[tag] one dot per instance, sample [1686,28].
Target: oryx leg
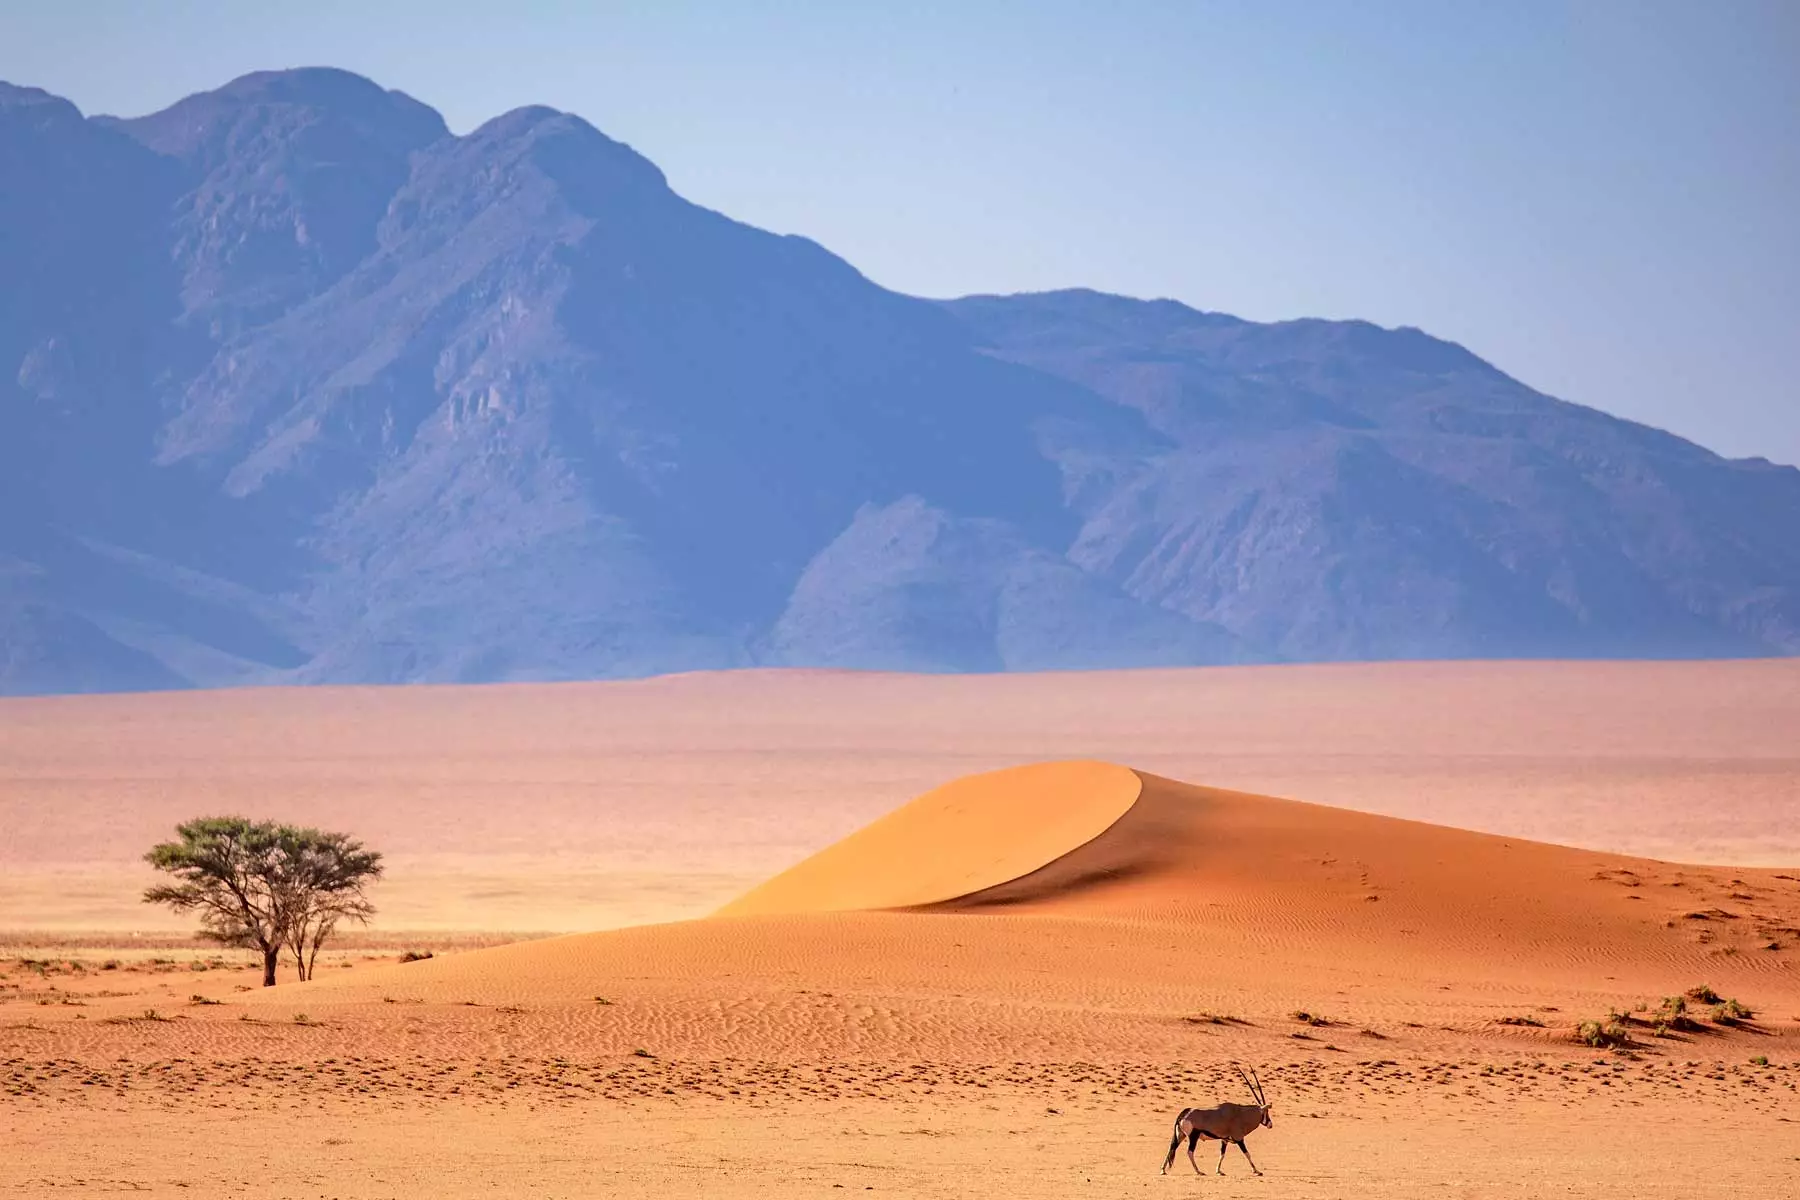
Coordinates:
[1193,1140]
[1223,1146]
[1247,1158]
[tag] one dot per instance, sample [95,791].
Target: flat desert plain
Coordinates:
[932,936]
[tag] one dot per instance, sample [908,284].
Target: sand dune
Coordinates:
[1172,852]
[1080,903]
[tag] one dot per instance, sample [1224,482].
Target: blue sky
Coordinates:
[1600,197]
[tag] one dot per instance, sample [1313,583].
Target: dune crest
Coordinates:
[966,838]
[1091,840]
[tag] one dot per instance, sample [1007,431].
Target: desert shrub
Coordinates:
[1306,1018]
[1603,1035]
[1730,1012]
[1671,1014]
[640,1052]
[1703,995]
[1760,1060]
[415,956]
[197,998]
[1532,1021]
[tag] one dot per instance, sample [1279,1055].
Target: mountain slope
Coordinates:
[1344,491]
[297,386]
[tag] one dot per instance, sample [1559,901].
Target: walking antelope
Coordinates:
[1227,1124]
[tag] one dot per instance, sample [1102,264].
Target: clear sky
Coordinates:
[1602,197]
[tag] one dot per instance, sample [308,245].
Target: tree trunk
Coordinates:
[271,959]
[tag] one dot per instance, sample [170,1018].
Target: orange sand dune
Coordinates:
[1085,904]
[1175,852]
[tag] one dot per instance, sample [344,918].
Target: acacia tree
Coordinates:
[265,886]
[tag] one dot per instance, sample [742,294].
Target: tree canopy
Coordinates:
[265,886]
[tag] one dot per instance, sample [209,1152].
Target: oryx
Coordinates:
[1227,1124]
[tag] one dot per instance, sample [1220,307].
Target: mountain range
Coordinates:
[297,386]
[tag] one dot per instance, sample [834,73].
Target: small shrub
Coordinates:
[1531,1021]
[197,998]
[1730,1012]
[302,1019]
[1671,1014]
[1703,995]
[111,964]
[1603,1035]
[1760,1060]
[640,1052]
[1306,1018]
[415,956]
[601,1000]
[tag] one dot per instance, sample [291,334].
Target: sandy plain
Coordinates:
[1084,948]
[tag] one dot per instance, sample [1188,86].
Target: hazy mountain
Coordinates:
[296,386]
[1344,491]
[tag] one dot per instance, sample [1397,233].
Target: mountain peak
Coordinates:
[197,126]
[15,98]
[575,143]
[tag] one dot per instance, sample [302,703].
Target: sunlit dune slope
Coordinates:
[971,835]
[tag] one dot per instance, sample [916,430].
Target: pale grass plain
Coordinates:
[1032,1040]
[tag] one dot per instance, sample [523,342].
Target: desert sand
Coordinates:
[571,807]
[1008,984]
